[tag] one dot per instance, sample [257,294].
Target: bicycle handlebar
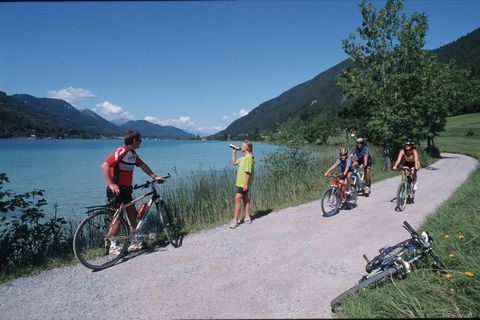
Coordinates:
[409,228]
[150,182]
[337,175]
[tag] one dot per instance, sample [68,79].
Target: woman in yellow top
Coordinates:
[410,159]
[244,181]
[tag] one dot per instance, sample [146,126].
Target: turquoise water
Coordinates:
[69,170]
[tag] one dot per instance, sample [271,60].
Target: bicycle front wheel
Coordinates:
[168,224]
[402,195]
[93,246]
[330,202]
[363,284]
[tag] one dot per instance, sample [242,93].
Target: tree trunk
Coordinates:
[386,154]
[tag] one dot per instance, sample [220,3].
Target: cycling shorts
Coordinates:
[125,195]
[369,162]
[409,164]
[241,191]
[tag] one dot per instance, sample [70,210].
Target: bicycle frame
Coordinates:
[407,179]
[122,210]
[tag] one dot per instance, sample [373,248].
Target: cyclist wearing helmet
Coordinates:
[346,170]
[363,158]
[408,155]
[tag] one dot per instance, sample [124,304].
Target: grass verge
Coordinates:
[456,228]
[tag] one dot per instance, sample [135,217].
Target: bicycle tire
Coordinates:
[401,197]
[331,200]
[352,198]
[168,223]
[439,264]
[363,284]
[91,244]
[359,187]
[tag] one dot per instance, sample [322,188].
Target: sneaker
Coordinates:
[234,224]
[415,187]
[247,221]
[135,246]
[114,249]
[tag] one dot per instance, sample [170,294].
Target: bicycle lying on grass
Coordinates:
[394,262]
[331,200]
[93,237]
[405,190]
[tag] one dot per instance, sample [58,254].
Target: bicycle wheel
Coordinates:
[352,197]
[363,284]
[439,264]
[330,202]
[91,244]
[402,196]
[359,185]
[168,223]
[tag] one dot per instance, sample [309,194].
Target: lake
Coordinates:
[69,170]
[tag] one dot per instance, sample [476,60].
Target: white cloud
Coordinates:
[71,95]
[209,130]
[242,112]
[111,109]
[185,123]
[182,121]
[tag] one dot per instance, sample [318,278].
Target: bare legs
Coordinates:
[238,205]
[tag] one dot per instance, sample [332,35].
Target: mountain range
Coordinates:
[23,115]
[312,96]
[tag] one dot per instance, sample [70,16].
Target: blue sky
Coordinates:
[195,65]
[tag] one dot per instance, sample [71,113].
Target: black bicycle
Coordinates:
[104,236]
[394,262]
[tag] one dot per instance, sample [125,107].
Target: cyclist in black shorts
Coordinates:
[363,158]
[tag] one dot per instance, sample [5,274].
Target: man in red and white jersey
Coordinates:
[118,172]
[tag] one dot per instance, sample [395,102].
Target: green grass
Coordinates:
[290,177]
[455,226]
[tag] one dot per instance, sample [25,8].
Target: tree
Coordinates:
[387,75]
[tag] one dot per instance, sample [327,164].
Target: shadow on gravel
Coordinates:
[431,168]
[345,207]
[148,249]
[449,157]
[261,213]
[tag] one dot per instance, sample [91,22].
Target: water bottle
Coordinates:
[234,147]
[141,211]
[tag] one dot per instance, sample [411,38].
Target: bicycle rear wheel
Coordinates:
[168,222]
[363,284]
[402,196]
[91,244]
[330,202]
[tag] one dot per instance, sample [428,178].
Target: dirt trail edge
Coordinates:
[287,264]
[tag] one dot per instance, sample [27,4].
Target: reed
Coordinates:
[292,175]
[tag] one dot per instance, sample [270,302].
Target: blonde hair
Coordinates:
[249,145]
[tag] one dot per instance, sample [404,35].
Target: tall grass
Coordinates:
[455,226]
[290,176]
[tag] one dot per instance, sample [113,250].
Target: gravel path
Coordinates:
[287,264]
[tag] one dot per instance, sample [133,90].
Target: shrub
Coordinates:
[27,237]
